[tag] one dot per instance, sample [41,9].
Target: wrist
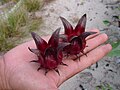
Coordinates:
[3,83]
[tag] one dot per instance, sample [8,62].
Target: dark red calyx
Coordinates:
[79,29]
[76,37]
[49,54]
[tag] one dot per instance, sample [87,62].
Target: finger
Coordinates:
[75,67]
[94,56]
[96,41]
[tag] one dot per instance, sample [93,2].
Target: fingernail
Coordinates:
[109,47]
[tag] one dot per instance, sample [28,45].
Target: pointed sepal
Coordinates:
[67,26]
[35,51]
[54,40]
[61,46]
[80,28]
[40,43]
[86,34]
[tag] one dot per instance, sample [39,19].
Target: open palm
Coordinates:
[21,74]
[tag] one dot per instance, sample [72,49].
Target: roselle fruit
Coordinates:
[49,54]
[76,37]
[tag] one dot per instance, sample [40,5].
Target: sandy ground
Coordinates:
[108,71]
[72,10]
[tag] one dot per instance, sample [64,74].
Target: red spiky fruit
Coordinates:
[76,37]
[49,54]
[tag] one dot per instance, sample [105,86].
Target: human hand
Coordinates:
[21,74]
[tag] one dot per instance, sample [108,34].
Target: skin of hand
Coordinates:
[18,73]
